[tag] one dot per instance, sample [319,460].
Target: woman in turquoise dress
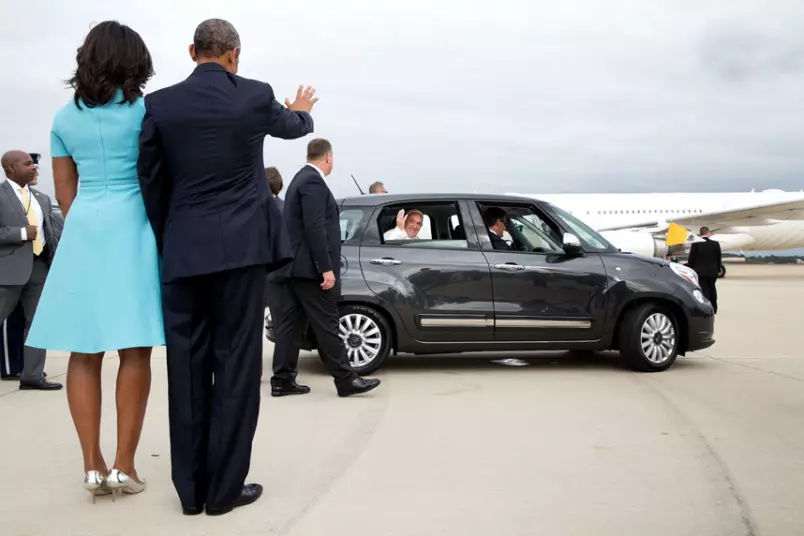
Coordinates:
[103,291]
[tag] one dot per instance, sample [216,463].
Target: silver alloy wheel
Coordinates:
[658,338]
[362,337]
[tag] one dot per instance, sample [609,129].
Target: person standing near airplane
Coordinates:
[706,259]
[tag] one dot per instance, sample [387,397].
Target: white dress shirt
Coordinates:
[317,169]
[35,206]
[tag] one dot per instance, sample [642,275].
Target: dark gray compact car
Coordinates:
[560,286]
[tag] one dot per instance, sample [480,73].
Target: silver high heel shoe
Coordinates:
[118,480]
[95,484]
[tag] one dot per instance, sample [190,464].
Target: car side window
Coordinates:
[350,220]
[526,230]
[435,225]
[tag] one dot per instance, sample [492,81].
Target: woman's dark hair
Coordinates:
[112,57]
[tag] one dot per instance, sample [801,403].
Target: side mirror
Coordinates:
[572,245]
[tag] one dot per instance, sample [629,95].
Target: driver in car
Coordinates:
[495,218]
[407,226]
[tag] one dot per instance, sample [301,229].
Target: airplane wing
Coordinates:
[766,214]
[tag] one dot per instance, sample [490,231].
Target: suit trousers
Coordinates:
[294,304]
[213,330]
[28,296]
[709,290]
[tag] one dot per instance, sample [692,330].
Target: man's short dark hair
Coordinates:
[704,230]
[274,180]
[493,214]
[318,149]
[215,37]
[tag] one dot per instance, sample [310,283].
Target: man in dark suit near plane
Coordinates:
[706,259]
[312,288]
[203,182]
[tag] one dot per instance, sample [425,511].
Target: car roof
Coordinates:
[381,199]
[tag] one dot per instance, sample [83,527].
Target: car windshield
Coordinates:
[590,239]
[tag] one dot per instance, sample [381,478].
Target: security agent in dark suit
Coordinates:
[707,260]
[495,219]
[312,289]
[27,247]
[203,182]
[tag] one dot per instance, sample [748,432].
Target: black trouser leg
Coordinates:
[288,322]
[709,290]
[239,306]
[214,346]
[321,309]
[187,308]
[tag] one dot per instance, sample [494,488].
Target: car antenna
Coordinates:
[358,186]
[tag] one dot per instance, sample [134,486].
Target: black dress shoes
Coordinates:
[288,388]
[39,385]
[250,494]
[358,386]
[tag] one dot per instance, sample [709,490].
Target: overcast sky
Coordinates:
[527,96]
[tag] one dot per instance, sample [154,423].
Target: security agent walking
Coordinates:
[311,289]
[706,259]
[202,179]
[28,244]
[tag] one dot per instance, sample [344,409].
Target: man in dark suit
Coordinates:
[217,229]
[312,288]
[495,219]
[27,247]
[706,259]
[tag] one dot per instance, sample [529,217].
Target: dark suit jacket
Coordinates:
[705,258]
[497,242]
[280,203]
[202,176]
[313,225]
[16,256]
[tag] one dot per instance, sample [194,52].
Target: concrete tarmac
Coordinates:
[453,446]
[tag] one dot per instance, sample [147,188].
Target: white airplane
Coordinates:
[741,221]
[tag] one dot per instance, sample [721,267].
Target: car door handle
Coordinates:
[386,262]
[510,267]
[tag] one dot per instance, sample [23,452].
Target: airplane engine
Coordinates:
[636,242]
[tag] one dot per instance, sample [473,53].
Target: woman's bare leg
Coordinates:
[84,398]
[133,388]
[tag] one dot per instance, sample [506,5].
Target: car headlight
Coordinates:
[698,295]
[685,272]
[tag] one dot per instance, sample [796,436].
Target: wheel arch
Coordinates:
[381,311]
[670,304]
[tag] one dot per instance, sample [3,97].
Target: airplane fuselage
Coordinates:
[605,211]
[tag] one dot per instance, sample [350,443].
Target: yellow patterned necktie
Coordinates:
[29,212]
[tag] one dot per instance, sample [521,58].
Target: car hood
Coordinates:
[634,257]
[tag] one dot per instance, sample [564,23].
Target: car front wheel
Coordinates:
[649,338]
[366,336]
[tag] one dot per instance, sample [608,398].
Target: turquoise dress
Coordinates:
[103,291]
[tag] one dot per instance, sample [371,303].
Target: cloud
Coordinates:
[579,96]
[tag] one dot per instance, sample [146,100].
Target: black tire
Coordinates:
[366,316]
[630,338]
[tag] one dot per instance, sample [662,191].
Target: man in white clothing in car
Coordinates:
[407,226]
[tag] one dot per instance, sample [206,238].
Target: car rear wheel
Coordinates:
[366,336]
[649,338]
